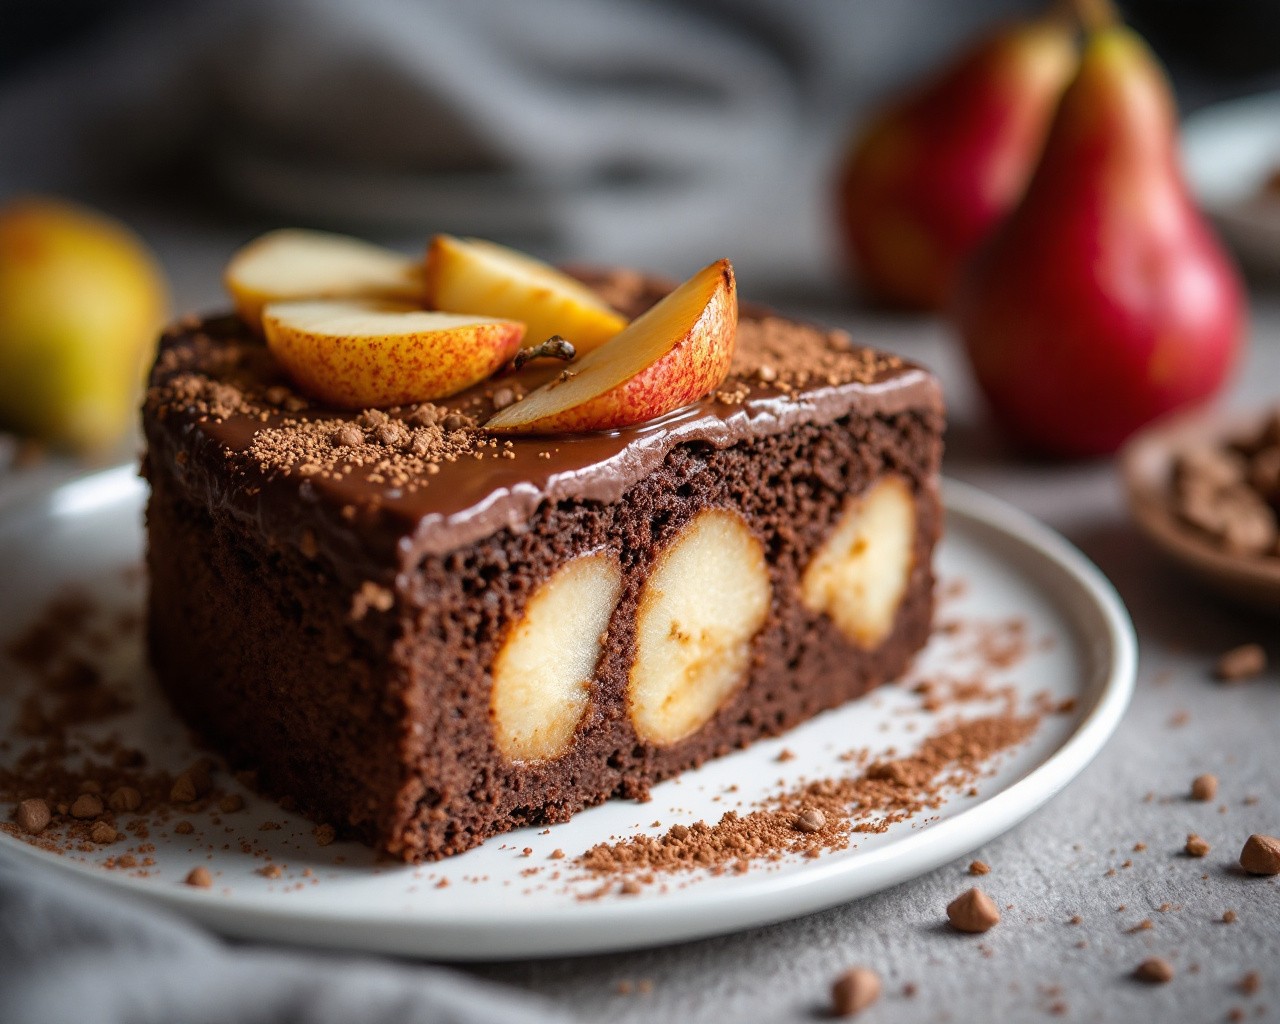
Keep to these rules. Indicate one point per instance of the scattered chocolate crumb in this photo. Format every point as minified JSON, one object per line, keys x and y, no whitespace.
{"x":1204,"y":787}
{"x":630,"y":887}
{"x":979,"y":867}
{"x":231,"y":803}
{"x":810,"y":820}
{"x":33,"y":816}
{"x":887,"y":791}
{"x":124,"y":798}
{"x":183,"y":790}
{"x":973,"y":912}
{"x":86,"y":805}
{"x":1154,"y":970}
{"x":1229,"y":917}
{"x":270,"y":871}
{"x":557,"y":854}
{"x":1261,"y":855}
{"x":199,"y":877}
{"x":371,"y":596}
{"x":324,"y":834}
{"x":1075,"y":919}
{"x":184,"y":828}
{"x":1196,"y":847}
{"x":103,"y":833}
{"x":1250,"y":983}
{"x":785,"y":755}
{"x":854,"y":991}
{"x":1145,"y":925}
{"x":1241,"y":663}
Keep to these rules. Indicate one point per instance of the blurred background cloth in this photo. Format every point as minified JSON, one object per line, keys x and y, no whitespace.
{"x":629,"y":131}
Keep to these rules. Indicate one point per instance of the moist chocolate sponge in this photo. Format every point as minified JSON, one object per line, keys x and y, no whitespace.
{"x":326,"y":608}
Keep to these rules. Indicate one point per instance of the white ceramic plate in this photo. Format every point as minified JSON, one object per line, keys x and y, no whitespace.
{"x":89,"y":533}
{"x":1230,"y":150}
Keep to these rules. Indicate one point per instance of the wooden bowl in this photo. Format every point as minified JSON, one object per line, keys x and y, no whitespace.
{"x":1145,"y":464}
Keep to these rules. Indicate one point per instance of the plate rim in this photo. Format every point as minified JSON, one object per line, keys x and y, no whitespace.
{"x":612,"y":926}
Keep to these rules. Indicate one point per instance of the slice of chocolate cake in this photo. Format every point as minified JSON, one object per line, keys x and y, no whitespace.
{"x":426,"y":633}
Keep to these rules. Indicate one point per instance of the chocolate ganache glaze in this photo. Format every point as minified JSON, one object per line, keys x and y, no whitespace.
{"x":427,"y":480}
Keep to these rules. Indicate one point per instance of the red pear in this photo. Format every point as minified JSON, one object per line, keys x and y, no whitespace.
{"x":1103,"y":300}
{"x":930,"y":176}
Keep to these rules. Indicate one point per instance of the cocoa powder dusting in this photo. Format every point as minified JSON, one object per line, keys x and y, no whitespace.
{"x":886,"y":792}
{"x":71,"y":795}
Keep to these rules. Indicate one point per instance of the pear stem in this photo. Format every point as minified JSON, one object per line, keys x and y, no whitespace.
{"x":1096,"y":15}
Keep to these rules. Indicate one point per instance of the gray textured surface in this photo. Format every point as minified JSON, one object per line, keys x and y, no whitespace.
{"x":1057,"y":863}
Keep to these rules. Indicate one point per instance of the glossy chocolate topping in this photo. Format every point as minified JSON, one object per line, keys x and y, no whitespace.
{"x":426,"y":480}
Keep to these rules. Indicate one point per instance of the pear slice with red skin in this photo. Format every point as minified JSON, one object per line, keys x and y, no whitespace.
{"x":354,"y":354}
{"x":672,"y":355}
{"x":291,"y":264}
{"x":471,"y":275}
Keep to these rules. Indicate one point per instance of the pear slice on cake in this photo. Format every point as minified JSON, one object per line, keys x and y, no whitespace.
{"x":470,"y":275}
{"x":358,"y":354}
{"x":291,"y":264}
{"x":670,"y":356}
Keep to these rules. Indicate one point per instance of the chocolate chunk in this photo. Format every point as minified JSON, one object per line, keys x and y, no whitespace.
{"x":33,"y":816}
{"x":87,"y":805}
{"x":1261,"y":855}
{"x":1154,"y":970}
{"x":973,"y":911}
{"x":1204,"y":787}
{"x":1196,"y":847}
{"x":1241,"y":663}
{"x":854,"y":991}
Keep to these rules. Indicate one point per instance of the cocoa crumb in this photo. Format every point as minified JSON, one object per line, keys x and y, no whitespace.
{"x":810,"y":820}
{"x":973,"y":912}
{"x":1154,"y":970}
{"x":1204,"y":787}
{"x":231,"y":803}
{"x":86,"y":805}
{"x":886,"y":792}
{"x":1250,"y":983}
{"x":32,"y":816}
{"x":1229,"y":917}
{"x":1261,"y":855}
{"x":183,"y":790}
{"x":1196,"y":847}
{"x":200,"y":878}
{"x":102,"y":833}
{"x":854,"y":991}
{"x":184,"y":828}
{"x":979,"y":867}
{"x":124,"y":798}
{"x":373,"y":596}
{"x":1241,"y":663}
{"x":324,"y":834}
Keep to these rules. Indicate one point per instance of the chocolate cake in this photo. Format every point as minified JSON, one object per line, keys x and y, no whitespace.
{"x":426,"y":634}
